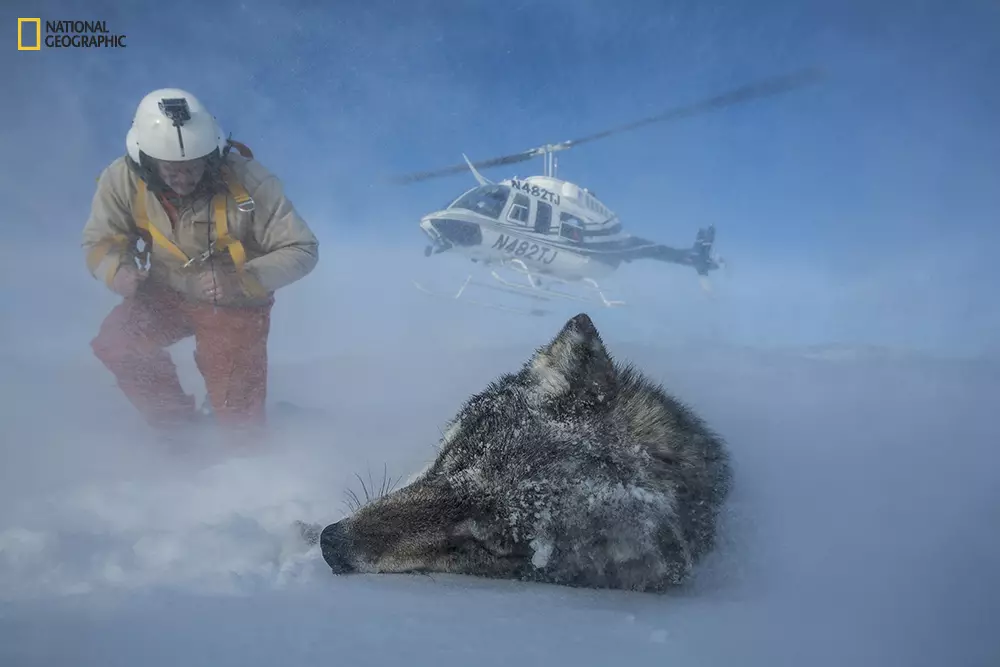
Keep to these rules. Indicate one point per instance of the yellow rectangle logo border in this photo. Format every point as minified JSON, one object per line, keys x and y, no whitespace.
{"x":38,"y":35}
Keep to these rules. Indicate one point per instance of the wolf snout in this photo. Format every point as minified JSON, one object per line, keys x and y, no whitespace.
{"x":335,"y":545}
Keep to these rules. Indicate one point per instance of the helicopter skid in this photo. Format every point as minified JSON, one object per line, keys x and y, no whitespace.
{"x":533,"y":289}
{"x":460,"y":296}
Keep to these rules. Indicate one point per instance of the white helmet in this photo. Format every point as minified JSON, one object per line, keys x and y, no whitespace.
{"x":172,"y":124}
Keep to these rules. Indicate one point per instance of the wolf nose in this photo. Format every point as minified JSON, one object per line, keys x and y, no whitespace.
{"x":334,"y":544}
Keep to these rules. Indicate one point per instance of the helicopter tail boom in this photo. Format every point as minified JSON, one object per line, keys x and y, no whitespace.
{"x":698,"y":256}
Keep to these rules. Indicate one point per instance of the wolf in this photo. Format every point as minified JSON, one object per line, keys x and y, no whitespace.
{"x":576,"y":470}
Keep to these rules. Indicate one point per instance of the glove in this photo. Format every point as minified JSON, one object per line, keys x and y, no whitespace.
{"x":221,"y":285}
{"x":127,"y":280}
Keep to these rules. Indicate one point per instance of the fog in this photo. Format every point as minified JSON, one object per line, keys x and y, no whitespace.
{"x":849,"y":355}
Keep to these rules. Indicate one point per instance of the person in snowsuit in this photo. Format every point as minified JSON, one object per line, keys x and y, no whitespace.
{"x":218,"y":238}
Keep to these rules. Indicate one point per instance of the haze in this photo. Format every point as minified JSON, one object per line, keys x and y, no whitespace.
{"x":850,"y":354}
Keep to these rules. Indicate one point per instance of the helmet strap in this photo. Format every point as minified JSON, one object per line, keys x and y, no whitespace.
{"x":147,"y":173}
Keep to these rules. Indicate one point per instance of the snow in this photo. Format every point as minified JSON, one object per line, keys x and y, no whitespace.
{"x":861,"y":532}
{"x":541,"y":552}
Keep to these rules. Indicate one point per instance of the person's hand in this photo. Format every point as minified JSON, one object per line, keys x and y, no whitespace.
{"x":127,"y":279}
{"x":219,"y":285}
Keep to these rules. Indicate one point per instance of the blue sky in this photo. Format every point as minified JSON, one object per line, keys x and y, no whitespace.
{"x":870,"y":201}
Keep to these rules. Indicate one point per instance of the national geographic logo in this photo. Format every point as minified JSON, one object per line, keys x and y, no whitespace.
{"x":66,"y":35}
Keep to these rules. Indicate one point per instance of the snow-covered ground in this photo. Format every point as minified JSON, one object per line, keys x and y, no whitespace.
{"x":863,"y":530}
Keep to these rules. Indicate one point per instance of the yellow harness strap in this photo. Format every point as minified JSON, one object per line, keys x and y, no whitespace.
{"x":153,"y":236}
{"x":142,"y":222}
{"x":101,"y":249}
{"x":236,"y":190}
{"x":96,"y":255}
{"x":223,"y":240}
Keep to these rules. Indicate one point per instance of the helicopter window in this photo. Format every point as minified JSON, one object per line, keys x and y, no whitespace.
{"x":519,"y":211}
{"x":571,"y":232}
{"x":488,"y":200}
{"x":570,"y":227}
{"x":543,"y":218}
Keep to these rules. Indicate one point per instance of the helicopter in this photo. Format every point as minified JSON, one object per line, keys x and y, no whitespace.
{"x":557,"y":233}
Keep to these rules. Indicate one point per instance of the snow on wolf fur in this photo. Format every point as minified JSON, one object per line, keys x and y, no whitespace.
{"x":575,"y":470}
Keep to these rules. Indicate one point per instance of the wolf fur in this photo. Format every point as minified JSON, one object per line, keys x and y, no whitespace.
{"x":575,"y":470}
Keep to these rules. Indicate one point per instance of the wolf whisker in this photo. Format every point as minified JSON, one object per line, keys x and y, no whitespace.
{"x":369,"y":491}
{"x":364,"y":488}
{"x":353,"y":501}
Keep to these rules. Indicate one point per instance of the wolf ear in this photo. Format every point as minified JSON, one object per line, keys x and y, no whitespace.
{"x":575,"y":362}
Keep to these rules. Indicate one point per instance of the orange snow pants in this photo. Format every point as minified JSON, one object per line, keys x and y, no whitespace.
{"x":231,"y":355}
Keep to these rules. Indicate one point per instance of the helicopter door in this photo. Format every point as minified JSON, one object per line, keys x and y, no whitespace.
{"x":519,"y":209}
{"x":543,"y":217}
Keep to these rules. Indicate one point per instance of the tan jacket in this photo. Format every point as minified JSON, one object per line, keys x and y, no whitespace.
{"x":279,"y":246}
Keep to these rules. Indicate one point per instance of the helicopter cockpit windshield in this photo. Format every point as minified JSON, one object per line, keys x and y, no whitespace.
{"x":487,"y":200}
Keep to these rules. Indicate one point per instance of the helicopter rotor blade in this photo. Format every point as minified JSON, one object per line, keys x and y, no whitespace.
{"x":764,"y":88}
{"x":459,"y":168}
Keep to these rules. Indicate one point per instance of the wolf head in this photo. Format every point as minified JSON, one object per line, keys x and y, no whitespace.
{"x":574,"y":470}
